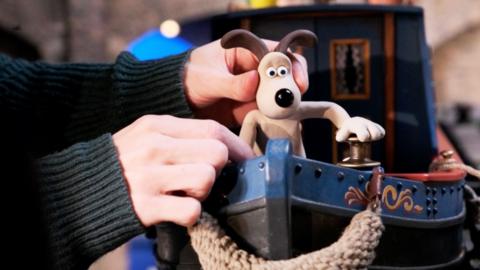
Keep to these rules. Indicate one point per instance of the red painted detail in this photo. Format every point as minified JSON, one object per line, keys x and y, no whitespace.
{"x":446,"y":176}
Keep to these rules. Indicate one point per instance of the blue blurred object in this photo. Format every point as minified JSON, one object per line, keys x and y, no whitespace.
{"x":154,"y":45}
{"x":140,"y":253}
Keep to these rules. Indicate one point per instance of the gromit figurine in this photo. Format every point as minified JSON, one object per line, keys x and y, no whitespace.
{"x":278,"y":98}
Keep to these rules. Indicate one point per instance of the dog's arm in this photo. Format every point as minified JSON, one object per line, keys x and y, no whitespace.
{"x":322,"y":109}
{"x":248,"y":132}
{"x":365,"y":129}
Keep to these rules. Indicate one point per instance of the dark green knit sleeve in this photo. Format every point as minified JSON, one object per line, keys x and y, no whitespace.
{"x":86,"y":203}
{"x":65,"y":109}
{"x":61,"y":104}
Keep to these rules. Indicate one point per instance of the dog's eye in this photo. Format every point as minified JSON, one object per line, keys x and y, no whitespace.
{"x":271,"y":72}
{"x":282,"y":71}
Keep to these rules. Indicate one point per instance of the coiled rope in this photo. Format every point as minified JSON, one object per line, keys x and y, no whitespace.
{"x":446,"y":162}
{"x":355,"y":249}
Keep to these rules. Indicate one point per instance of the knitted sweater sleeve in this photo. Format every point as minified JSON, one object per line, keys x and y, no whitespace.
{"x":70,"y":111}
{"x":86,"y":203}
{"x":62,"y":104}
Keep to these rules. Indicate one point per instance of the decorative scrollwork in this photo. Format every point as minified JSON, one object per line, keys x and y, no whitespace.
{"x":355,"y":196}
{"x":392,"y":200}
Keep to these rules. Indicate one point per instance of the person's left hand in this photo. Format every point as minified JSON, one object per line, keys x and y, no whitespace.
{"x":221,"y":84}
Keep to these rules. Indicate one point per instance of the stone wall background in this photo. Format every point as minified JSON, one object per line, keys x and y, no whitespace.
{"x":453,"y":32}
{"x":457,"y":69}
{"x":97,"y":30}
{"x":93,"y":30}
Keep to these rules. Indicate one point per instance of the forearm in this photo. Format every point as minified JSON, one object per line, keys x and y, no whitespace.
{"x":323,"y":109}
{"x":67,"y":103}
{"x":86,"y":203}
{"x":149,"y":87}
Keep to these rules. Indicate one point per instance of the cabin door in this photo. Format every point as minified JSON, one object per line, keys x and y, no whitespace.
{"x":350,"y":69}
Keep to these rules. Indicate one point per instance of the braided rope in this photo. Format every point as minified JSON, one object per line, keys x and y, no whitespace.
{"x":445,"y":162}
{"x":457,"y":165}
{"x":354,"y":250}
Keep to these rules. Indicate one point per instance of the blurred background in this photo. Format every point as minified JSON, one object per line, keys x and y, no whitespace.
{"x":98,"y":30}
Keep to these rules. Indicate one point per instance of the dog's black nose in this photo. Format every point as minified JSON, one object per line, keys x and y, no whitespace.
{"x":284,"y":97}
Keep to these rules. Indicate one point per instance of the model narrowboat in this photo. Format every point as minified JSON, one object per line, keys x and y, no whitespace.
{"x":375,"y":62}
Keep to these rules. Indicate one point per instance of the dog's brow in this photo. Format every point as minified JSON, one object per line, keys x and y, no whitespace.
{"x":278,"y":61}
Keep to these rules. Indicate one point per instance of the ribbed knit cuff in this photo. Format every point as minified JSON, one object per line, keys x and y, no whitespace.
{"x":88,"y":208}
{"x":150,"y":87}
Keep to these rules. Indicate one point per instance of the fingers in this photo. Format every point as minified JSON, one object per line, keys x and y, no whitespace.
{"x":300,"y":71}
{"x":214,"y":133}
{"x":193,"y":180}
{"x":185,"y":151}
{"x":241,"y":87}
{"x":183,"y":211}
{"x":364,"y":129}
{"x":376,"y":131}
{"x":170,"y":164}
{"x":342,"y":134}
{"x":362,"y":133}
{"x":174,"y":194}
{"x":369,"y":131}
{"x":240,"y":60}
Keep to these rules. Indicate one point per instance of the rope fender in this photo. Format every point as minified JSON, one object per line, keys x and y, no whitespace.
{"x":355,"y":249}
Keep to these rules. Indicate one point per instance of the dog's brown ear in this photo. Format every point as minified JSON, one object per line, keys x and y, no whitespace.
{"x":297,"y":38}
{"x":244,"y":39}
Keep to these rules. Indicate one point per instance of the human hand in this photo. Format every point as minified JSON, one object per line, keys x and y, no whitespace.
{"x":221,"y":84}
{"x":365,"y":130}
{"x":170,"y":164}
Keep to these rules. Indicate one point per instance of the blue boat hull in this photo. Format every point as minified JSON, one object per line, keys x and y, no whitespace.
{"x":280,"y":206}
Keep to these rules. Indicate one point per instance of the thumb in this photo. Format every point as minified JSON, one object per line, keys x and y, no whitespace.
{"x":243,"y":87}
{"x":300,"y":73}
{"x":204,"y":86}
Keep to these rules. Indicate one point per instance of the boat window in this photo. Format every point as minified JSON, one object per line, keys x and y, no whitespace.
{"x":350,"y":68}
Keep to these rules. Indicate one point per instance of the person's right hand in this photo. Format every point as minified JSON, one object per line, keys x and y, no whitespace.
{"x":170,"y":165}
{"x":222,"y":84}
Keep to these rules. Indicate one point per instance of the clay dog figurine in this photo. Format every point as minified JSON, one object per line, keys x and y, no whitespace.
{"x":278,"y":98}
